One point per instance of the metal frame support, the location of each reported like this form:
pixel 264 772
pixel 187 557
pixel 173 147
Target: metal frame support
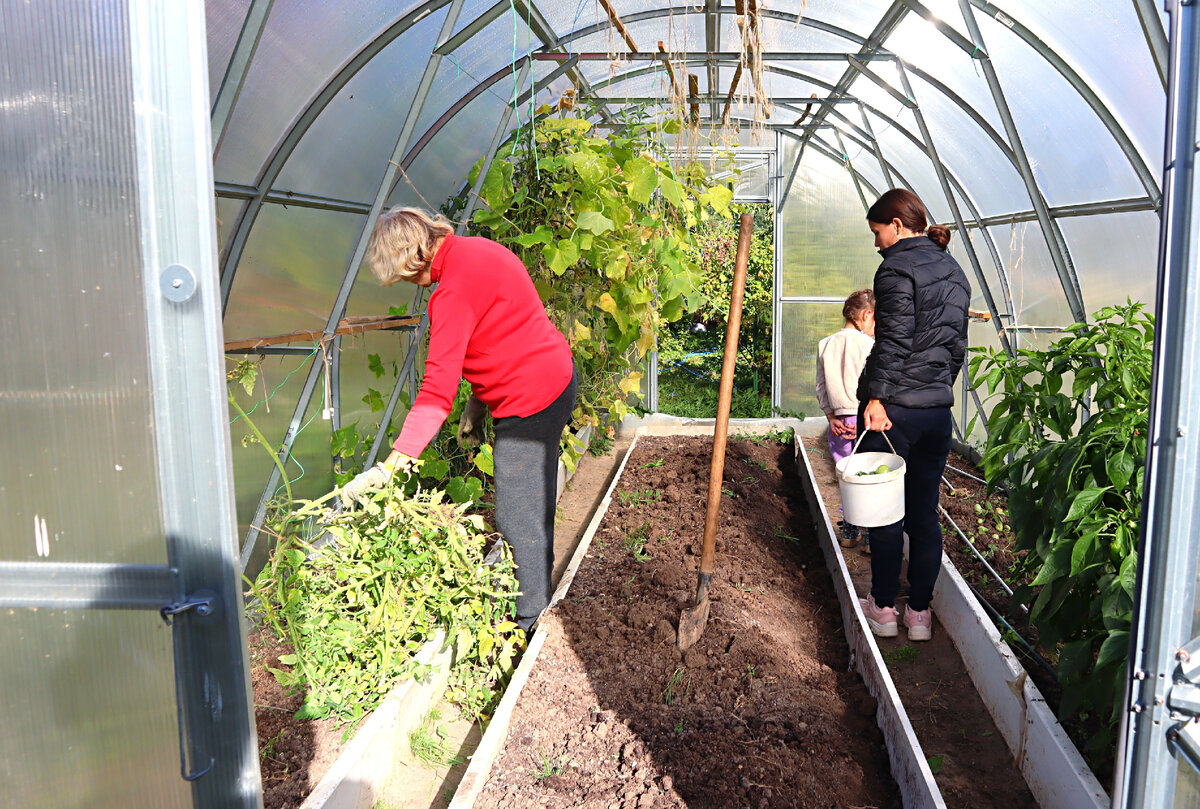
pixel 952 203
pixel 218 747
pixel 1156 37
pixel 1062 263
pixel 845 160
pixel 887 175
pixel 350 273
pixel 1158 728
pixel 239 65
pixel 712 43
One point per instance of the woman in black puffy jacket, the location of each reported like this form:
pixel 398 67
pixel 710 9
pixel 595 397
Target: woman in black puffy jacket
pixel 906 389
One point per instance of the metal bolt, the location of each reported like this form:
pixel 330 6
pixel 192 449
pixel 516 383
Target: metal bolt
pixel 1158 700
pixel 1136 708
pixel 1139 675
pixel 1182 656
pixel 177 283
pixel 1181 432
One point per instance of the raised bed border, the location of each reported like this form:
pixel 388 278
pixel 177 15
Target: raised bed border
pixel 361 772
pixel 917 793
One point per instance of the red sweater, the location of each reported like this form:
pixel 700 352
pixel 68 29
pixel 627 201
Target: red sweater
pixel 486 324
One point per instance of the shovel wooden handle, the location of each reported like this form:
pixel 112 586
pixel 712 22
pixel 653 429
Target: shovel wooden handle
pixel 721 431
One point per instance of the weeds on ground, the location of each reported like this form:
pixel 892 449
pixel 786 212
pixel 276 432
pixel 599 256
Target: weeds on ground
pixel 671 692
pixel 545 766
pixel 428 742
pixel 639 498
pixel 901 654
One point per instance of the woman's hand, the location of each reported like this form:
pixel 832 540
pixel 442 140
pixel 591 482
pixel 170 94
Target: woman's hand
pixel 470 424
pixel 374 478
pixel 876 416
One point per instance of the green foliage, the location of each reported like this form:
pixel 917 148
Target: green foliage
pixel 690 361
pixel 1072 455
pixel 357 609
pixel 429 744
pixel 604 226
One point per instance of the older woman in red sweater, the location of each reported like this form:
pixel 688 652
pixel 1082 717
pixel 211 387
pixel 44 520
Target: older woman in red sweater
pixel 487 325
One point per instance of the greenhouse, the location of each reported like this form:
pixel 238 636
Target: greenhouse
pixel 210 602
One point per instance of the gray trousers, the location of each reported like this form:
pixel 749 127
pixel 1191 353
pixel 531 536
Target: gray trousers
pixel 526 472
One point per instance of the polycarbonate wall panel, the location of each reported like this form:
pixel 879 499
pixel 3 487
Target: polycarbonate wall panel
pixel 1038 298
pixel 485 53
pixel 827 248
pixel 289 275
pixel 89 711
pixel 859 17
pixel 906 156
pixel 345 151
pixel 224 19
pixel 790 38
pixel 87 700
pixel 303 44
pixel 358 380
pixel 1093 37
pixel 1116 257
pixel 440 171
pixel 921 45
pixel 677 32
pixel 1074 157
pixel 309 467
pixel 227 211
pixel 75 395
pixel 802 325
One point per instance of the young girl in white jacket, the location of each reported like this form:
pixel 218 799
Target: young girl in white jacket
pixel 840 359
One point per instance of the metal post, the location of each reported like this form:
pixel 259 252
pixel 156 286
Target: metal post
pixel 351 271
pixel 218 746
pixel 239 65
pixel 1157 732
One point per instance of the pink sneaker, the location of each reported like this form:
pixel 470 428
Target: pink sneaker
pixel 882 620
pixel 919 623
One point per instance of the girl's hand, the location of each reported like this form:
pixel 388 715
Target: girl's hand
pixel 876 416
pixel 835 425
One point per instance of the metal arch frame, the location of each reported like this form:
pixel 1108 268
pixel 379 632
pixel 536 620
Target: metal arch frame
pixel 239 65
pixel 348 277
pixel 1059 254
pixel 1156 37
pixel 271 168
pixel 1098 107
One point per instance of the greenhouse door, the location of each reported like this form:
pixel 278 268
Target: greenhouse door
pixel 1158 757
pixel 124 664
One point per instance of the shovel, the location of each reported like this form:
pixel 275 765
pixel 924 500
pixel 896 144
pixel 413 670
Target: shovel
pixel 693 619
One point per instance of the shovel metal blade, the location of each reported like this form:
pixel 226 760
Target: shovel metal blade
pixel 691 624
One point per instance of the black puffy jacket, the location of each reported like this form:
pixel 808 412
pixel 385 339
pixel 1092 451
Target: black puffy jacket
pixel 921 301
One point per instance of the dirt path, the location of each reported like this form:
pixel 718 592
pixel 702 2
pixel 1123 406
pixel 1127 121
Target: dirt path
pixel 973 764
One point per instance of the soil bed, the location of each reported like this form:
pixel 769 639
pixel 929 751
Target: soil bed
pixel 763 711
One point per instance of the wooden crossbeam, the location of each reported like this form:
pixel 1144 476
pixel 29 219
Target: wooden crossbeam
pixel 737 77
pixel 347 325
pixel 620 26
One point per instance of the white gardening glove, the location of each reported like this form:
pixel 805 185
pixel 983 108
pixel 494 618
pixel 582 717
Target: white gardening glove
pixel 368 480
pixel 470 424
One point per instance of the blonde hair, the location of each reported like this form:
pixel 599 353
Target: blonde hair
pixel 403 242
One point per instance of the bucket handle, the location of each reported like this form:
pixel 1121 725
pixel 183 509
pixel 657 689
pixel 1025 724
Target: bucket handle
pixel 863 435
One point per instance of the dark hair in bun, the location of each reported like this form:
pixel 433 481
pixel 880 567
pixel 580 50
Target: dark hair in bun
pixel 902 204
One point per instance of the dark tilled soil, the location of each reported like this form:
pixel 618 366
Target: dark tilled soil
pixel 763 711
pixel 956 732
pixel 293 755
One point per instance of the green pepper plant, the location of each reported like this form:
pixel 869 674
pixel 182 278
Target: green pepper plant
pixel 1067 435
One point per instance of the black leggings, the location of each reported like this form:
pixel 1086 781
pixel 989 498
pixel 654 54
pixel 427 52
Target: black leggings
pixel 922 438
pixel 526 464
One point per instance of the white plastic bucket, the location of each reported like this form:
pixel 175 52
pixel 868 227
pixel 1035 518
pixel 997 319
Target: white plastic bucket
pixel 871 500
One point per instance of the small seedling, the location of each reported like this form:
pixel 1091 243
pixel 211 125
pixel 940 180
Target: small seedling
pixel 657 462
pixel 935 763
pixel 642 498
pixel 635 543
pixel 679 726
pixel 756 462
pixel 902 654
pixel 546 766
pixel 751 670
pixel 727 492
pixel 779 534
pixel 671 691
